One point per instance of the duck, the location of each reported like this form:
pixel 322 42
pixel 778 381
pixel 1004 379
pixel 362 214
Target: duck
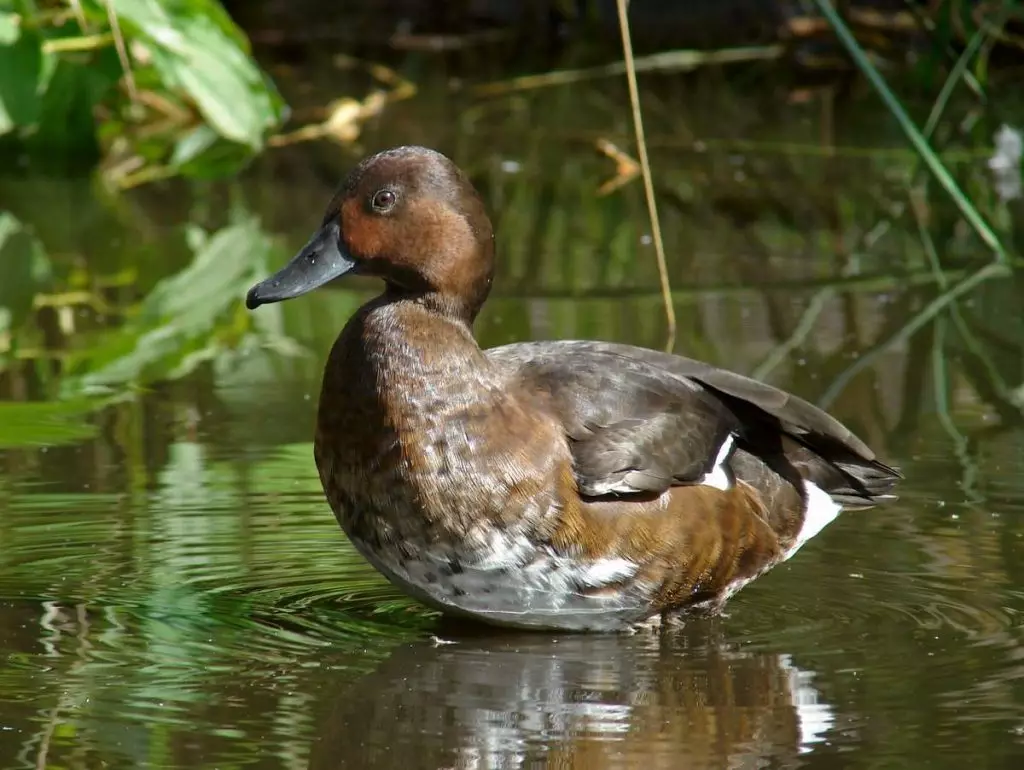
pixel 563 485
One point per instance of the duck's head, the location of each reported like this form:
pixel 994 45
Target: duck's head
pixel 409 216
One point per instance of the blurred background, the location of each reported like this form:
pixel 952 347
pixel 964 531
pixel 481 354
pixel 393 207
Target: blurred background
pixel 839 189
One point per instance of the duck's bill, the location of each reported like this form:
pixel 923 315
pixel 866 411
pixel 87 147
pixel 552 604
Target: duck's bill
pixel 321 260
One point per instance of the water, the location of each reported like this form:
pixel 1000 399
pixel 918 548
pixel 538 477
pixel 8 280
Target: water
pixel 174 591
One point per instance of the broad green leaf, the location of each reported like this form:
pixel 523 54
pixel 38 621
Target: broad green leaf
pixel 192 144
pixel 214 281
pixel 182 322
pixel 203 154
pixel 220 87
pixel 67 114
pixel 153 20
pixel 192 52
pixel 25 268
pixel 214 11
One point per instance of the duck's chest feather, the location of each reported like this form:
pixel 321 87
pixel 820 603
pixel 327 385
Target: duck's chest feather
pixel 421 444
pixel 452 486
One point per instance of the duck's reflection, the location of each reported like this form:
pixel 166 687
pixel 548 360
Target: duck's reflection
pixel 686 700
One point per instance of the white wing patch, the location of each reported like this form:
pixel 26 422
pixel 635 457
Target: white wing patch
pixel 719 476
pixel 610 487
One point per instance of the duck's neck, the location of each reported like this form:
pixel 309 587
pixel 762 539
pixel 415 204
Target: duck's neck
pixel 403 372
pixel 409 342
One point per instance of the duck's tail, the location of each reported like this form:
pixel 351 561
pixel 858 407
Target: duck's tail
pixel 863 483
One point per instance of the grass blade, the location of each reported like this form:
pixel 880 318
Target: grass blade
pixel 915 137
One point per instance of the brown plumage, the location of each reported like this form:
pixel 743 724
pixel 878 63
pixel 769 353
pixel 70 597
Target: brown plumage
pixel 572 485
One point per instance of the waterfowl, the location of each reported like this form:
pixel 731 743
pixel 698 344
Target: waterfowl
pixel 569 485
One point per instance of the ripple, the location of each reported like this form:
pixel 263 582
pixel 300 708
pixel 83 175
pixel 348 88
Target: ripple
pixel 214 606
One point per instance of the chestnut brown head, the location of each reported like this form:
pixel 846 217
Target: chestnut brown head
pixel 409 216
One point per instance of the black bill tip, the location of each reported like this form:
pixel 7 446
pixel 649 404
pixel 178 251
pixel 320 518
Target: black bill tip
pixel 253 299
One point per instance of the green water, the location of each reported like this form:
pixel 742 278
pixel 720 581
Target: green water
pixel 175 593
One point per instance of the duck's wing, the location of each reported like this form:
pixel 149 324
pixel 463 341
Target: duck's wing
pixel 640 421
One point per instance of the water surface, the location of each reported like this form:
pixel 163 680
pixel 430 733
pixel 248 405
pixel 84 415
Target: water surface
pixel 174 591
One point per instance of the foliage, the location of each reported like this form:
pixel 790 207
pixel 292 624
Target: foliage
pixel 190 317
pixel 155 88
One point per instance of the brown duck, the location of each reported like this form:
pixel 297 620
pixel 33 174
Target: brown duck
pixel 567 485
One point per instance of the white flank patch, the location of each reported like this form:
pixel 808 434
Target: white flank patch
pixel 821 511
pixel 718 476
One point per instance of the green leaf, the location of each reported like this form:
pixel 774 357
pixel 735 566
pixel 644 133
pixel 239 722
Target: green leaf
pixel 10 27
pixel 21 70
pixel 214 11
pixel 193 144
pixel 25 268
pixel 203 154
pixel 191 51
pixel 67 121
pixel 194 298
pixel 182 321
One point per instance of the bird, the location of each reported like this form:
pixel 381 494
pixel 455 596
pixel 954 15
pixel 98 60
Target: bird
pixel 563 485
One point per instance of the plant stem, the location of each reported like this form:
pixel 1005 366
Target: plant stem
pixel 645 167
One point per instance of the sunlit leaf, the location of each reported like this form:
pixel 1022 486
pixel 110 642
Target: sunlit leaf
pixel 216 279
pixel 192 52
pixel 10 27
pixel 193 144
pixel 214 11
pixel 196 237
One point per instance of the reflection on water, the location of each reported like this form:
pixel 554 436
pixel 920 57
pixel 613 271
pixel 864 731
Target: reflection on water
pixel 175 593
pixel 213 615
pixel 686 700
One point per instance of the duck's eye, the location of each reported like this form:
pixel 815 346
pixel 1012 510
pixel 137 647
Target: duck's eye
pixel 383 201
